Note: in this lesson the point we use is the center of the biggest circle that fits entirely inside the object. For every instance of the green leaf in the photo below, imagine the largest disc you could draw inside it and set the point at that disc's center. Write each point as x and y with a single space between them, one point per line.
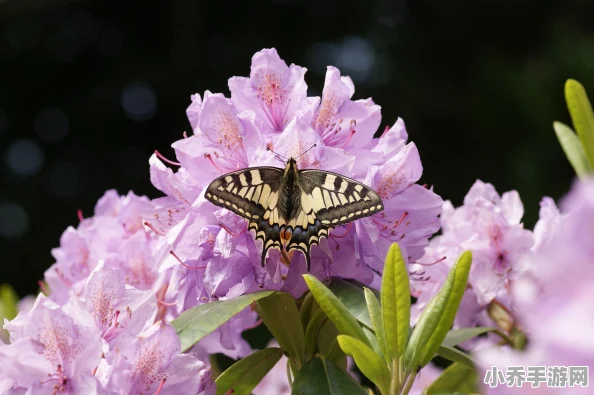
395 295
337 356
353 297
457 336
244 375
8 302
320 376
376 319
438 316
281 317
455 355
312 331
573 149
197 322
8 308
371 365
335 310
455 378
307 308
326 337
582 116
370 334
327 344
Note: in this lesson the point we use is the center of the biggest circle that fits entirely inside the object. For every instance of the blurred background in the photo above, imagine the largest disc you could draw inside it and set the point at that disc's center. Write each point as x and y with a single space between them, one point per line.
89 89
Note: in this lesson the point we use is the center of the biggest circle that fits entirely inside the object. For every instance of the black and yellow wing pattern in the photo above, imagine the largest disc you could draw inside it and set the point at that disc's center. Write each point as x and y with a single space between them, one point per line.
293 209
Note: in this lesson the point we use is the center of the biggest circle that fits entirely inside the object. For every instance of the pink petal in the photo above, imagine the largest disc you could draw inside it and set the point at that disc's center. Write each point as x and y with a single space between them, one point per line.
274 91
396 174
194 110
512 207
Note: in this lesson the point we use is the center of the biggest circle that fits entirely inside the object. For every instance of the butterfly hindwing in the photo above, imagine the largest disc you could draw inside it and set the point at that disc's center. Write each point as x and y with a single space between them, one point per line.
249 193
337 200
269 234
303 236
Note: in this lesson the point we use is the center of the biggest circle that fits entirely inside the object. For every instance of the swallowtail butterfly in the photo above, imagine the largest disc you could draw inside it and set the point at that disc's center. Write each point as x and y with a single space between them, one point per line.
292 209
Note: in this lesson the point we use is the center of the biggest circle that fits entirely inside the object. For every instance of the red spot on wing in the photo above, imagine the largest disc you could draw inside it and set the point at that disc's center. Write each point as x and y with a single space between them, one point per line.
285 235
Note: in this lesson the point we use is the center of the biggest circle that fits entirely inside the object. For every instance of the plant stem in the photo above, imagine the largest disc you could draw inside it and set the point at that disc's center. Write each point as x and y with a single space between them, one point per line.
409 383
289 375
395 383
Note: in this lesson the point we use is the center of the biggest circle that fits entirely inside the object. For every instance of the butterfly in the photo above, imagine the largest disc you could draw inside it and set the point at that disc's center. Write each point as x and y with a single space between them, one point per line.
291 209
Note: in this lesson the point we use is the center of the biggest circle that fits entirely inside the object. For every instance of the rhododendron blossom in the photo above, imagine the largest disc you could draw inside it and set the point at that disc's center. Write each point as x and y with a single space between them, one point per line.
122 274
270 110
490 226
554 303
143 293
103 298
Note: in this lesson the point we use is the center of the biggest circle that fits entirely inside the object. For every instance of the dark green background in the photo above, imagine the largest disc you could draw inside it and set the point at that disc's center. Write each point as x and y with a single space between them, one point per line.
478 84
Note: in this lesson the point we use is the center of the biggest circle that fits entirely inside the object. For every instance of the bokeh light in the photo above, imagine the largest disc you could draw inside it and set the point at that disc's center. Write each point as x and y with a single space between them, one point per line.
14 220
139 101
354 56
24 157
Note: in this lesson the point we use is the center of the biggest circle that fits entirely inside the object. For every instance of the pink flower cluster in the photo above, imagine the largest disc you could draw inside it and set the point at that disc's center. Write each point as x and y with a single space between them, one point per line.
121 276
101 330
554 299
490 226
271 110
540 278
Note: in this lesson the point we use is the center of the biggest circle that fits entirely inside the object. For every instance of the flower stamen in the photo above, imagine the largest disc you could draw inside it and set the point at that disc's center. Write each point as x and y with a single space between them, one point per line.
109 333
348 229
348 140
151 227
230 232
430 263
184 264
255 324
164 159
160 387
420 278
391 229
58 376
209 157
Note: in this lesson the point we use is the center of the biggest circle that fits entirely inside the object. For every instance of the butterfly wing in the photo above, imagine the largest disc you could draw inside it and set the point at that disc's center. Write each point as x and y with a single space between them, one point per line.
253 194
328 200
338 200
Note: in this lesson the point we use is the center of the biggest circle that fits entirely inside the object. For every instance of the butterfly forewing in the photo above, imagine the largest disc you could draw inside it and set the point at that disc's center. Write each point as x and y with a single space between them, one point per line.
336 199
248 192
252 194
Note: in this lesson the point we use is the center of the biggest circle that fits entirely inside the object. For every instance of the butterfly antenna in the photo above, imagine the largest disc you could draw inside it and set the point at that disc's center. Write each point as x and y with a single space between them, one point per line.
306 151
277 154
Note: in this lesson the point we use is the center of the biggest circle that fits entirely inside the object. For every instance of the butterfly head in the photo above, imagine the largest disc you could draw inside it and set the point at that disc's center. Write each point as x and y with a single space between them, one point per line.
291 166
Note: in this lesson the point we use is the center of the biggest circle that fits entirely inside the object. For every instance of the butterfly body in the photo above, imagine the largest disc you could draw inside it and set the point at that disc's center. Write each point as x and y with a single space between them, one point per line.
292 209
